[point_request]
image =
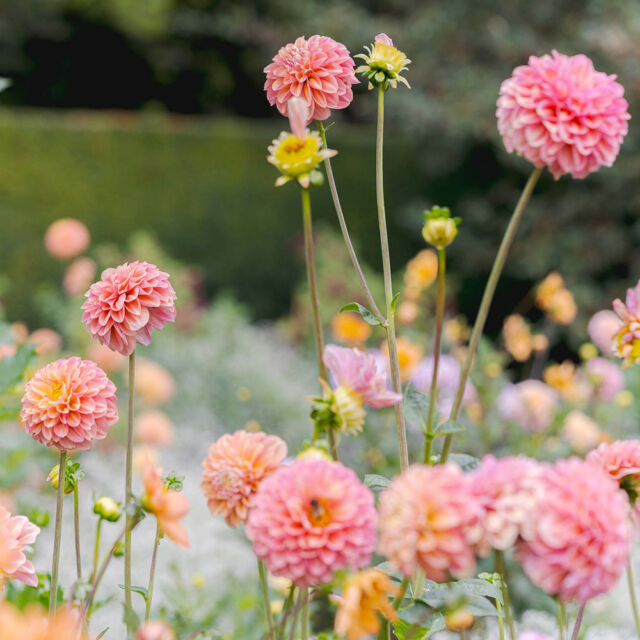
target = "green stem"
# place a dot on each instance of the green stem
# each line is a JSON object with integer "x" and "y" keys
{"x": 62, "y": 469}
{"x": 284, "y": 614}
{"x": 487, "y": 298}
{"x": 304, "y": 595}
{"x": 562, "y": 620}
{"x": 265, "y": 594}
{"x": 433, "y": 391}
{"x": 388, "y": 285}
{"x": 404, "y": 585}
{"x": 345, "y": 232}
{"x": 152, "y": 573}
{"x": 578, "y": 624}
{"x": 632, "y": 596}
{"x": 76, "y": 526}
{"x": 502, "y": 570}
{"x": 96, "y": 550}
{"x": 500, "y": 623}
{"x": 128, "y": 482}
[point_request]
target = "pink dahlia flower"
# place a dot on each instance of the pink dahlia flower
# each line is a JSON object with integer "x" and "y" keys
{"x": 558, "y": 111}
{"x": 531, "y": 404}
{"x": 311, "y": 519}
{"x": 68, "y": 404}
{"x": 66, "y": 238}
{"x": 429, "y": 518}
{"x": 575, "y": 543}
{"x": 508, "y": 489}
{"x": 126, "y": 303}
{"x": 602, "y": 329}
{"x": 234, "y": 468}
{"x": 16, "y": 533}
{"x": 627, "y": 339}
{"x": 362, "y": 374}
{"x": 79, "y": 275}
{"x": 620, "y": 459}
{"x": 606, "y": 378}
{"x": 319, "y": 70}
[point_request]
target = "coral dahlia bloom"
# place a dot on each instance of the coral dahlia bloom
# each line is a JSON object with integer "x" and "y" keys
{"x": 318, "y": 70}
{"x": 234, "y": 468}
{"x": 430, "y": 519}
{"x": 79, "y": 275}
{"x": 68, "y": 404}
{"x": 558, "y": 111}
{"x": 602, "y": 329}
{"x": 154, "y": 428}
{"x": 364, "y": 595}
{"x": 35, "y": 624}
{"x": 66, "y": 238}
{"x": 531, "y": 404}
{"x": 627, "y": 339}
{"x": 153, "y": 383}
{"x": 126, "y": 303}
{"x": 155, "y": 630}
{"x": 310, "y": 519}
{"x": 16, "y": 533}
{"x": 575, "y": 543}
{"x": 167, "y": 505}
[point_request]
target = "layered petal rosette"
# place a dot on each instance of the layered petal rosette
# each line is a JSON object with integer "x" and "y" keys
{"x": 16, "y": 533}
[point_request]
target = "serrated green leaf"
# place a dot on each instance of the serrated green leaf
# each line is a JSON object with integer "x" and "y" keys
{"x": 464, "y": 461}
{"x": 374, "y": 481}
{"x": 367, "y": 315}
{"x": 394, "y": 302}
{"x": 416, "y": 406}
{"x": 13, "y": 367}
{"x": 450, "y": 426}
{"x": 130, "y": 618}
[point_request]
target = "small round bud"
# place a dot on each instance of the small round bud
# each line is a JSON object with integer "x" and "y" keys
{"x": 314, "y": 453}
{"x": 119, "y": 550}
{"x": 459, "y": 620}
{"x": 107, "y": 508}
{"x": 440, "y": 232}
{"x": 54, "y": 479}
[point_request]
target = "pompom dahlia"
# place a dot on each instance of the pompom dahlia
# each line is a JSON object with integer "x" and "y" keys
{"x": 627, "y": 339}
{"x": 66, "y": 238}
{"x": 16, "y": 533}
{"x": 127, "y": 303}
{"x": 68, "y": 404}
{"x": 430, "y": 519}
{"x": 575, "y": 543}
{"x": 234, "y": 468}
{"x": 310, "y": 519}
{"x": 620, "y": 460}
{"x": 319, "y": 70}
{"x": 558, "y": 111}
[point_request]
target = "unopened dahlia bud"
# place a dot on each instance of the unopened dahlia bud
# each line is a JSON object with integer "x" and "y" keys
{"x": 440, "y": 229}
{"x": 107, "y": 508}
{"x": 314, "y": 453}
{"x": 54, "y": 480}
{"x": 383, "y": 63}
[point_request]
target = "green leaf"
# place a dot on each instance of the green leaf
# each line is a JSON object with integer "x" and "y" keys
{"x": 479, "y": 587}
{"x": 387, "y": 568}
{"x": 367, "y": 315}
{"x": 416, "y": 406}
{"x": 450, "y": 426}
{"x": 374, "y": 481}
{"x": 427, "y": 622}
{"x": 464, "y": 461}
{"x": 130, "y": 618}
{"x": 12, "y": 368}
{"x": 394, "y": 302}
{"x": 139, "y": 590}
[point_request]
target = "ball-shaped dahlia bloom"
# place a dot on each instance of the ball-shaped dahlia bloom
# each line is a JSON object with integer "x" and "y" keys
{"x": 68, "y": 404}
{"x": 79, "y": 275}
{"x": 507, "y": 489}
{"x": 558, "y": 111}
{"x": 575, "y": 543}
{"x": 128, "y": 302}
{"x": 319, "y": 70}
{"x": 310, "y": 519}
{"x": 66, "y": 238}
{"x": 234, "y": 468}
{"x": 626, "y": 343}
{"x": 602, "y": 329}
{"x": 16, "y": 533}
{"x": 531, "y": 404}
{"x": 430, "y": 519}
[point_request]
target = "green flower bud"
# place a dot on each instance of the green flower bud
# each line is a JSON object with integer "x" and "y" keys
{"x": 440, "y": 229}
{"x": 119, "y": 550}
{"x": 107, "y": 508}
{"x": 54, "y": 479}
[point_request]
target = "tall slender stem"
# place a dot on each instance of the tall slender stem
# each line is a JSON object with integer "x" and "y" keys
{"x": 53, "y": 596}
{"x": 304, "y": 595}
{"x": 285, "y": 614}
{"x": 562, "y": 620}
{"x": 500, "y": 622}
{"x": 501, "y": 568}
{"x": 632, "y": 596}
{"x": 487, "y": 298}
{"x": 76, "y": 526}
{"x": 433, "y": 391}
{"x": 265, "y": 595}
{"x": 96, "y": 550}
{"x": 152, "y": 573}
{"x": 578, "y": 624}
{"x": 128, "y": 482}
{"x": 345, "y": 230}
{"x": 388, "y": 285}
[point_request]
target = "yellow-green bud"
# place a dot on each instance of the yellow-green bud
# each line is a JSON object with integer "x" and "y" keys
{"x": 107, "y": 508}
{"x": 459, "y": 620}
{"x": 440, "y": 232}
{"x": 54, "y": 479}
{"x": 588, "y": 351}
{"x": 314, "y": 453}
{"x": 119, "y": 550}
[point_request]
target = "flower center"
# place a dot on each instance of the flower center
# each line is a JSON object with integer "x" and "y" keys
{"x": 56, "y": 391}
{"x": 318, "y": 514}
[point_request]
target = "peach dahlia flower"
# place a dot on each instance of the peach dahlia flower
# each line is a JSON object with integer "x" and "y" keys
{"x": 66, "y": 238}
{"x": 16, "y": 533}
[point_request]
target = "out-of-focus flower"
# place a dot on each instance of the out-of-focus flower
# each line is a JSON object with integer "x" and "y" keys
{"x": 79, "y": 275}
{"x": 155, "y": 630}
{"x": 547, "y": 289}
{"x": 234, "y": 468}
{"x": 318, "y": 70}
{"x": 68, "y": 404}
{"x": 45, "y": 341}
{"x": 627, "y": 339}
{"x": 167, "y": 505}
{"x": 568, "y": 381}
{"x": 34, "y": 624}
{"x": 421, "y": 272}
{"x": 440, "y": 229}
{"x": 575, "y": 543}
{"x": 365, "y": 594}
{"x": 456, "y": 330}
{"x": 128, "y": 302}
{"x": 531, "y": 404}
{"x": 581, "y": 432}
{"x": 539, "y": 342}
{"x": 310, "y": 519}
{"x": 66, "y": 238}
{"x": 602, "y": 328}
{"x": 153, "y": 383}
{"x": 534, "y": 635}
{"x": 314, "y": 453}
{"x": 624, "y": 399}
{"x": 16, "y": 533}
{"x": 383, "y": 63}
{"x": 107, "y": 508}
{"x": 142, "y": 454}
{"x": 517, "y": 337}
{"x": 7, "y": 351}
{"x": 409, "y": 355}
{"x": 350, "y": 329}
{"x": 105, "y": 358}
{"x": 19, "y": 331}
{"x": 606, "y": 377}
{"x": 154, "y": 428}
{"x": 507, "y": 489}
{"x": 558, "y": 111}
{"x": 459, "y": 619}
{"x": 556, "y": 300}
{"x": 407, "y": 312}
{"x": 429, "y": 519}
{"x": 587, "y": 351}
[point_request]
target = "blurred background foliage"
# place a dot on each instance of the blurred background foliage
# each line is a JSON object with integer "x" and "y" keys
{"x": 181, "y": 149}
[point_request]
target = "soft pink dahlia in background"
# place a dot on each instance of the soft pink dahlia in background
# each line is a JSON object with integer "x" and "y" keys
{"x": 16, "y": 532}
{"x": 155, "y": 630}
{"x": 311, "y": 519}
{"x": 627, "y": 339}
{"x": 575, "y": 542}
{"x": 531, "y": 404}
{"x": 558, "y": 111}
{"x": 126, "y": 303}
{"x": 79, "y": 275}
{"x": 602, "y": 329}
{"x": 68, "y": 404}
{"x": 430, "y": 519}
{"x": 234, "y": 468}
{"x": 66, "y": 238}
{"x": 507, "y": 489}
{"x": 605, "y": 376}
{"x": 319, "y": 70}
